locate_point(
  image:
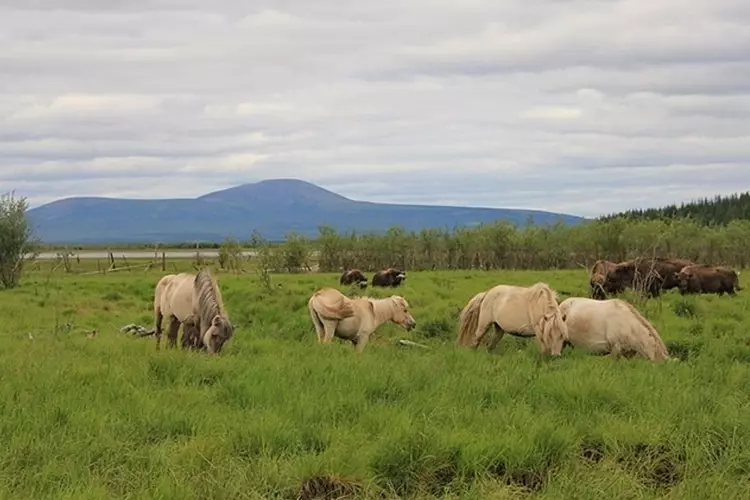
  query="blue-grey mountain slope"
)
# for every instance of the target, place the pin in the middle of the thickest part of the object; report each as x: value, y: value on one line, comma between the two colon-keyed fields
x: 272, y: 207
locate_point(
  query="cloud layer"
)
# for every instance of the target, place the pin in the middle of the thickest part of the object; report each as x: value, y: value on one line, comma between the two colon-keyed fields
x: 585, y: 107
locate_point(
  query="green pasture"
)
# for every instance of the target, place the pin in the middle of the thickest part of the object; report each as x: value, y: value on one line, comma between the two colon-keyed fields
x: 275, y: 414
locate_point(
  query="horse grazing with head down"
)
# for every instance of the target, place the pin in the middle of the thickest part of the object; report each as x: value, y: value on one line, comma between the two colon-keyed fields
x: 611, y: 326
x: 173, y: 299
x: 517, y: 310
x: 211, y: 318
x: 355, y: 320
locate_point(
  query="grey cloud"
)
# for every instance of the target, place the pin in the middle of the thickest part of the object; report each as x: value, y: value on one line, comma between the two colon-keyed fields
x: 576, y: 106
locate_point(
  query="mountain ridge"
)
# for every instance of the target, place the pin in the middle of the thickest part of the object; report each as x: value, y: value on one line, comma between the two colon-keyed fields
x: 273, y: 207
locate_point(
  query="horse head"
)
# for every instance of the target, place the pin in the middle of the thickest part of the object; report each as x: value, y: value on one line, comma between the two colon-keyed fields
x: 401, y: 314
x: 218, y: 333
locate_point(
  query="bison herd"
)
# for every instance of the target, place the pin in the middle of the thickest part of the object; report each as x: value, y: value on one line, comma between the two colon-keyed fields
x: 386, y: 278
x: 653, y: 275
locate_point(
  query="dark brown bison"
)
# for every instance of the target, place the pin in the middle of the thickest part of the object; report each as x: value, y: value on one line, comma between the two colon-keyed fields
x: 598, y: 277
x: 353, y: 276
x: 389, y: 278
x: 704, y: 278
x: 649, y: 275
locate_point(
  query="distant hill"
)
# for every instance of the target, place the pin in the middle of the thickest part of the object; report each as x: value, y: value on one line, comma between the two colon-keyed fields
x: 272, y: 207
x: 719, y: 210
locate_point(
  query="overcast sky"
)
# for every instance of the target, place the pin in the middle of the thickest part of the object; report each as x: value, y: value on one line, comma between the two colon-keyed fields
x: 584, y: 107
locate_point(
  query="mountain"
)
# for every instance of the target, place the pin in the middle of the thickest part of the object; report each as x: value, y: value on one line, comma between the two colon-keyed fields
x: 273, y: 207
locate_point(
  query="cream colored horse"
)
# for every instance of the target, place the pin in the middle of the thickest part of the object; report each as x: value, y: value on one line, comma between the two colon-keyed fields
x: 173, y: 299
x: 611, y: 326
x: 519, y: 311
x: 355, y: 320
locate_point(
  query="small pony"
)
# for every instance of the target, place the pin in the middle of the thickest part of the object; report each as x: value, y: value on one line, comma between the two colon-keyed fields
x: 355, y: 320
x: 611, y: 326
x: 519, y: 311
x: 193, y: 301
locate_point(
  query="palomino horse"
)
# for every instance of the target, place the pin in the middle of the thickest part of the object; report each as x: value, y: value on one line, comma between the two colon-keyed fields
x: 519, y: 311
x: 611, y: 326
x: 173, y: 299
x: 211, y: 318
x: 335, y: 314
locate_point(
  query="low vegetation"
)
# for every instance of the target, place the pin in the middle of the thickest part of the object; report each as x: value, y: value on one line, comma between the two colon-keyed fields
x: 90, y: 412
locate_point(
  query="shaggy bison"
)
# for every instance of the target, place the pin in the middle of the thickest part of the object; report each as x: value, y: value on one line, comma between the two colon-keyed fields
x: 704, y: 278
x: 598, y: 279
x: 650, y: 275
x: 354, y: 276
x: 389, y: 278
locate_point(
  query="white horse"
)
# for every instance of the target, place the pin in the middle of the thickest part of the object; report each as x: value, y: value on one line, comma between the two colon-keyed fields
x: 517, y: 310
x: 355, y: 320
x: 612, y: 327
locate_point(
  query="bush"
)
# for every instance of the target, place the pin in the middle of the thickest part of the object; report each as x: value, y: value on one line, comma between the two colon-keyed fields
x: 15, y: 240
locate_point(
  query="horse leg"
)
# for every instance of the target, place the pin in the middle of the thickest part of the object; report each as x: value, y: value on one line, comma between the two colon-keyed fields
x: 497, y: 334
x: 485, y: 320
x: 329, y: 325
x: 362, y: 341
x: 174, y: 328
x: 616, y: 351
x: 157, y: 330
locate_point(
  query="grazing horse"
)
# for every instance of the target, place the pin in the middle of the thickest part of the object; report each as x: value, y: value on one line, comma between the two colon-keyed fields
x: 355, y: 320
x: 211, y: 318
x: 611, y: 326
x: 519, y: 311
x: 173, y: 299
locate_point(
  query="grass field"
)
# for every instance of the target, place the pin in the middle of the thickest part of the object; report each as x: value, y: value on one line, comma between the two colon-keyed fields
x: 109, y: 417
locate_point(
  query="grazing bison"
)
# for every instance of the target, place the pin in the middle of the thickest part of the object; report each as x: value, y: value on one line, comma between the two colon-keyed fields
x: 651, y: 275
x: 704, y: 278
x: 388, y: 278
x: 598, y: 279
x: 353, y: 276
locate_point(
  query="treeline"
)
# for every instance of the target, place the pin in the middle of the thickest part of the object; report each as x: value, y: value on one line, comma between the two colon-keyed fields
x: 720, y: 210
x: 504, y: 246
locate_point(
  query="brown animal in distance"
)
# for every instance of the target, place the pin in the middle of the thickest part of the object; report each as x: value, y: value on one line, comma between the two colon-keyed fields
x: 649, y: 275
x: 353, y: 276
x: 598, y: 279
x: 704, y: 278
x: 390, y: 277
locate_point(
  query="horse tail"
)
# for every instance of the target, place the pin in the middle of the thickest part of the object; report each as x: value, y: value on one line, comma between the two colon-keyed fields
x: 650, y: 345
x: 547, y: 318
x: 313, y: 313
x: 469, y: 318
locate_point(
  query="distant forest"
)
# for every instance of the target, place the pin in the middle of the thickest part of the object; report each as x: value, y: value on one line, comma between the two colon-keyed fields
x: 720, y: 210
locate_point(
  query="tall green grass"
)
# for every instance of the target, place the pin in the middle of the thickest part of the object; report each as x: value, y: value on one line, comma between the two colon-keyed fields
x: 109, y: 417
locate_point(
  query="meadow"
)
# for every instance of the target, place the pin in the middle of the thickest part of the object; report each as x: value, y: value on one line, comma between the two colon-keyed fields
x: 110, y: 417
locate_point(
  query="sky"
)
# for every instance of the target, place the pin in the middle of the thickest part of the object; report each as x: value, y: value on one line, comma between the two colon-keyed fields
x: 582, y: 107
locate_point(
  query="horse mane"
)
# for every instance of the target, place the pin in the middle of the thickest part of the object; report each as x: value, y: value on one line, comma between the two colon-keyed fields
x: 545, y: 314
x: 656, y: 347
x: 208, y: 296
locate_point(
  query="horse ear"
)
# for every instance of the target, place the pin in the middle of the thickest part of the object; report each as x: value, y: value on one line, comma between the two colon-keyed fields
x: 216, y: 321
